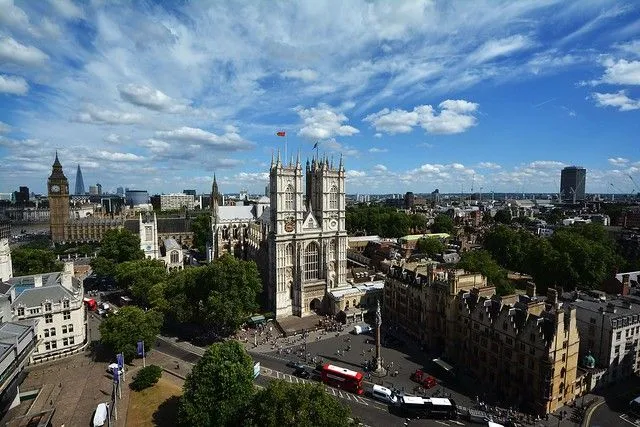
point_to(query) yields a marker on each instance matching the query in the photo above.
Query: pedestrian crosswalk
(333, 391)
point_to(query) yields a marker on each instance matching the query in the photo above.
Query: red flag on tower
(281, 133)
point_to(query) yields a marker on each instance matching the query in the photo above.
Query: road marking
(587, 419)
(633, 423)
(340, 393)
(442, 422)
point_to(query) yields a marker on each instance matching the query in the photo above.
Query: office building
(79, 182)
(176, 201)
(136, 197)
(572, 184)
(22, 196)
(189, 192)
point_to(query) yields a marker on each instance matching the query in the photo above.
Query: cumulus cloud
(153, 99)
(618, 100)
(378, 150)
(306, 75)
(116, 156)
(12, 15)
(618, 161)
(380, 168)
(455, 116)
(488, 165)
(229, 141)
(95, 115)
(14, 52)
(546, 164)
(352, 173)
(323, 122)
(4, 128)
(13, 85)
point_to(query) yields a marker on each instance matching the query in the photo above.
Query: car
(295, 365)
(301, 373)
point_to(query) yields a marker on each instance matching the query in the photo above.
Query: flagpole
(144, 359)
(286, 140)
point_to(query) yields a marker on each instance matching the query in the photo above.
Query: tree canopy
(219, 296)
(442, 224)
(122, 331)
(140, 276)
(218, 387)
(120, 245)
(380, 220)
(429, 246)
(480, 261)
(503, 216)
(201, 227)
(28, 261)
(283, 404)
(578, 255)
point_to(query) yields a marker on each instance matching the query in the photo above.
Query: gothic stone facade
(307, 240)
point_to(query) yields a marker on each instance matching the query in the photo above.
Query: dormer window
(47, 306)
(20, 311)
(65, 303)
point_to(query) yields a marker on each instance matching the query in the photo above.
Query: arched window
(288, 198)
(333, 198)
(311, 262)
(332, 250)
(174, 257)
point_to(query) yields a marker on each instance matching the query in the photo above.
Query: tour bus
(90, 303)
(343, 378)
(434, 407)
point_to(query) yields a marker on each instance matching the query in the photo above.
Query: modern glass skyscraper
(572, 184)
(79, 182)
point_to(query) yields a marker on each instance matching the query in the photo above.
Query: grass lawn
(155, 406)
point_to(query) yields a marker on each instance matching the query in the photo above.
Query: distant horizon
(413, 93)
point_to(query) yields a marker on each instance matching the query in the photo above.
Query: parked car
(295, 365)
(425, 380)
(301, 373)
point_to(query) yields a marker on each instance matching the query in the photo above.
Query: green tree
(120, 245)
(201, 227)
(480, 261)
(429, 246)
(218, 387)
(283, 404)
(503, 216)
(34, 261)
(140, 276)
(146, 377)
(380, 220)
(218, 296)
(123, 330)
(442, 224)
(103, 267)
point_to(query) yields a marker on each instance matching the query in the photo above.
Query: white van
(384, 394)
(361, 329)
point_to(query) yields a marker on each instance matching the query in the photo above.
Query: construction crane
(613, 187)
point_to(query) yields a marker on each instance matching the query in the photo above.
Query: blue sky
(416, 95)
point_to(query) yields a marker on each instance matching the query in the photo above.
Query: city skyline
(416, 95)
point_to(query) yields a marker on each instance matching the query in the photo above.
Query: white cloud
(380, 168)
(546, 164)
(377, 135)
(618, 100)
(93, 114)
(50, 29)
(621, 72)
(618, 161)
(13, 85)
(495, 48)
(378, 150)
(229, 141)
(488, 165)
(632, 47)
(116, 156)
(4, 128)
(455, 116)
(67, 9)
(352, 173)
(147, 97)
(306, 75)
(13, 52)
(323, 123)
(12, 15)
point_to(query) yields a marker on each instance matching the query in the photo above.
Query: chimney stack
(37, 281)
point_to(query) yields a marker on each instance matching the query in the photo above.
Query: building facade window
(66, 315)
(311, 262)
(46, 333)
(71, 327)
(20, 311)
(174, 257)
(288, 198)
(48, 318)
(53, 332)
(64, 329)
(65, 342)
(148, 233)
(65, 303)
(72, 341)
(333, 198)
(47, 306)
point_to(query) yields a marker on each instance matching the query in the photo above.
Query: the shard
(79, 182)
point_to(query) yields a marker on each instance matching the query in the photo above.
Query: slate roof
(230, 213)
(34, 297)
(173, 225)
(170, 244)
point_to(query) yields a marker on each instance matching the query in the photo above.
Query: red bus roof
(342, 371)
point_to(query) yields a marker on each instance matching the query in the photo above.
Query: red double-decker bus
(343, 378)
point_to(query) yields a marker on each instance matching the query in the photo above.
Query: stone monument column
(379, 370)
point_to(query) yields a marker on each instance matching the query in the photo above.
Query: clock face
(55, 188)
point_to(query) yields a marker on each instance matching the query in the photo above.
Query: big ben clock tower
(58, 188)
